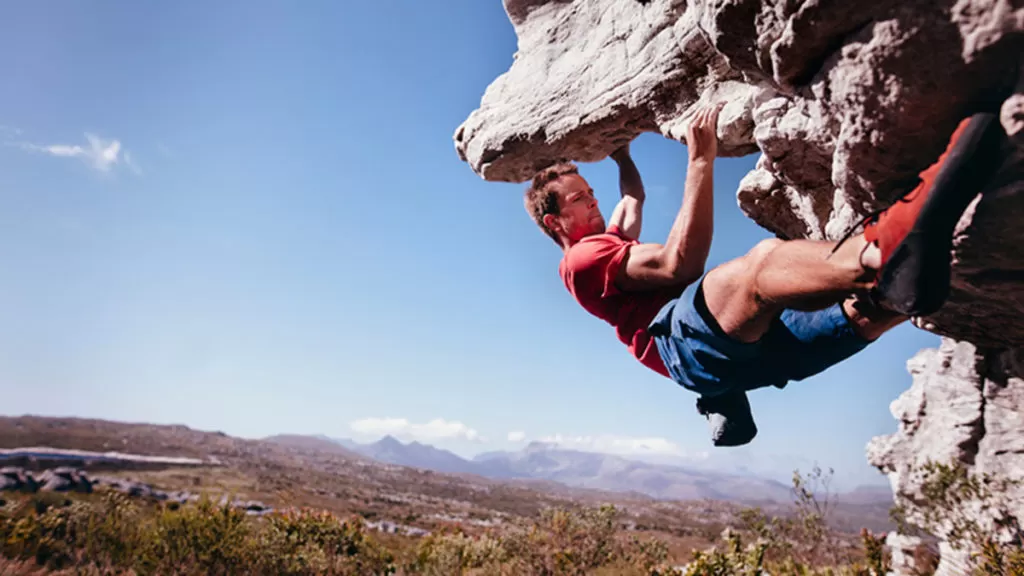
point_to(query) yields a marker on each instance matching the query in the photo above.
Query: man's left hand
(621, 153)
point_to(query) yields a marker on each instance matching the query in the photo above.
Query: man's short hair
(541, 198)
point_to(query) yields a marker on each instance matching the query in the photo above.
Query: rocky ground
(72, 480)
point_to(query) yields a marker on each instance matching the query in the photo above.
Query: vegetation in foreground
(112, 533)
(109, 533)
(951, 493)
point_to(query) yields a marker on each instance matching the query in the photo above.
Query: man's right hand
(621, 153)
(702, 133)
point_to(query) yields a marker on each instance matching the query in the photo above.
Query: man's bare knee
(738, 275)
(761, 250)
(755, 264)
(732, 296)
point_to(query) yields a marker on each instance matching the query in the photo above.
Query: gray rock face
(967, 406)
(833, 94)
(846, 102)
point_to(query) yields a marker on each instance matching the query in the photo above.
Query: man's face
(579, 214)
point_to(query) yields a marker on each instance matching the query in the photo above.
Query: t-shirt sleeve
(593, 265)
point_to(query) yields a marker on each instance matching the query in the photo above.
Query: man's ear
(551, 221)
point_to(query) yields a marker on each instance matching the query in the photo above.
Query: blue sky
(250, 217)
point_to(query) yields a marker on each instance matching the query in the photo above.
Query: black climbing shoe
(729, 418)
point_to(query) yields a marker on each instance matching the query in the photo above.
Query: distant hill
(539, 461)
(868, 494)
(415, 455)
(321, 443)
(615, 473)
(289, 470)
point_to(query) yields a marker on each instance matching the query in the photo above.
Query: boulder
(844, 103)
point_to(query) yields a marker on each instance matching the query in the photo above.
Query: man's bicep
(628, 216)
(644, 267)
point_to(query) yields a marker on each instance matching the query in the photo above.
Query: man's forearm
(630, 183)
(689, 240)
(681, 259)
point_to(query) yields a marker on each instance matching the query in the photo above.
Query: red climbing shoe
(915, 235)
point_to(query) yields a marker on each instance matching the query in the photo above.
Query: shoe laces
(872, 216)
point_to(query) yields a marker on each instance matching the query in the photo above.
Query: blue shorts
(702, 358)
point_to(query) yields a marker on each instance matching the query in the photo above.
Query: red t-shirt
(589, 269)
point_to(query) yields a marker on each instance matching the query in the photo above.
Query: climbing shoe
(915, 234)
(729, 418)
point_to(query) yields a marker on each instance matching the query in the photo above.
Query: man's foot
(729, 418)
(915, 235)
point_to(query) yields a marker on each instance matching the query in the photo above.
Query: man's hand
(621, 153)
(702, 134)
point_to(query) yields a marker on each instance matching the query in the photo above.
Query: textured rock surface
(902, 548)
(964, 405)
(833, 94)
(845, 102)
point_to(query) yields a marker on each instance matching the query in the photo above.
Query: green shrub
(454, 554)
(734, 560)
(565, 542)
(305, 541)
(202, 538)
(562, 542)
(800, 545)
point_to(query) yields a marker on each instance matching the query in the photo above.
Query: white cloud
(621, 445)
(100, 153)
(437, 429)
(516, 436)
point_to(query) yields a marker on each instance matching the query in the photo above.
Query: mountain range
(541, 461)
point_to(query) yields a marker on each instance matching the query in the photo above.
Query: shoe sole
(735, 435)
(731, 440)
(916, 279)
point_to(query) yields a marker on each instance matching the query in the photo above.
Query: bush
(305, 542)
(565, 542)
(562, 542)
(203, 538)
(453, 554)
(803, 544)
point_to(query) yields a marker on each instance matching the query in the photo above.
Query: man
(784, 311)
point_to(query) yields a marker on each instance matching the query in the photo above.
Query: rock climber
(784, 311)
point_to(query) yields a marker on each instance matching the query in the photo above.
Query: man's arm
(681, 259)
(628, 214)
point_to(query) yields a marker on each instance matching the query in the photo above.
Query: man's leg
(745, 295)
(904, 255)
(745, 312)
(906, 249)
(739, 301)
